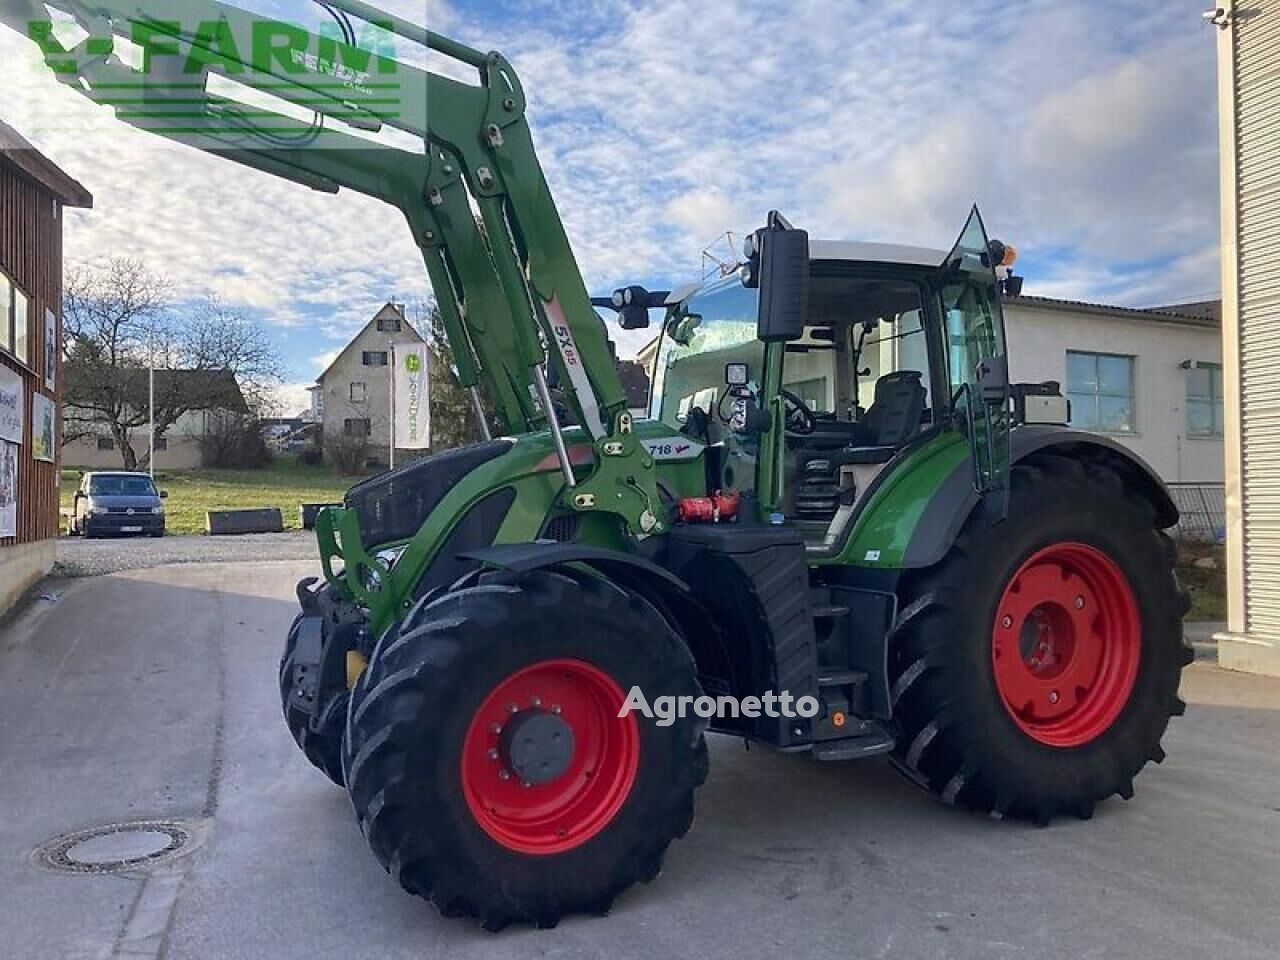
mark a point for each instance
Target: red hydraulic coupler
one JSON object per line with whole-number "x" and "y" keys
{"x": 718, "y": 507}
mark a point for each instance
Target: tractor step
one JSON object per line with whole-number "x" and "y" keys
{"x": 829, "y": 612}
{"x": 841, "y": 678}
{"x": 871, "y": 743}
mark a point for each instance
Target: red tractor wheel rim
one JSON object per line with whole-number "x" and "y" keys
{"x": 543, "y": 707}
{"x": 1066, "y": 643}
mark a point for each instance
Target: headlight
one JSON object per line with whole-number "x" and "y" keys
{"x": 387, "y": 557}
{"x": 157, "y": 509}
{"x": 390, "y": 555}
{"x": 97, "y": 511}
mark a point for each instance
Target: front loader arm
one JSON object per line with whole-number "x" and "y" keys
{"x": 509, "y": 288}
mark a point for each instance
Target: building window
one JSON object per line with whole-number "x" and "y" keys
{"x": 357, "y": 427}
{"x": 1204, "y": 400}
{"x": 1100, "y": 387}
{"x": 374, "y": 358}
{"x": 162, "y": 443}
{"x": 358, "y": 392}
{"x": 388, "y": 324}
{"x": 6, "y": 313}
{"x": 20, "y": 325}
{"x": 106, "y": 443}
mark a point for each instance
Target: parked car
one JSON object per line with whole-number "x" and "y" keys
{"x": 117, "y": 502}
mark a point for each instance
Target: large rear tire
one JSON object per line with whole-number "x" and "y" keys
{"x": 449, "y": 804}
{"x": 1034, "y": 670}
{"x": 322, "y": 748}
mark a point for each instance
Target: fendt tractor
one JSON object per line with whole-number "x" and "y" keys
{"x": 838, "y": 495}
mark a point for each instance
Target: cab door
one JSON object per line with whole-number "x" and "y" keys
{"x": 977, "y": 365}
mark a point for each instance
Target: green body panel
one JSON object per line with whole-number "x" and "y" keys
{"x": 529, "y": 468}
{"x": 886, "y": 523}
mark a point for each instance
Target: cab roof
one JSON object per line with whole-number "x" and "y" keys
{"x": 859, "y": 251}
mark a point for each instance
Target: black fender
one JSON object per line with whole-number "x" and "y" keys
{"x": 956, "y": 500}
{"x": 666, "y": 591}
{"x": 614, "y": 564}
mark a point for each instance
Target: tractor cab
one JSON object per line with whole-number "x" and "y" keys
{"x": 895, "y": 345}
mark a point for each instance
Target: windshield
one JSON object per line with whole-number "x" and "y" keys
{"x": 122, "y": 486}
{"x": 718, "y": 327}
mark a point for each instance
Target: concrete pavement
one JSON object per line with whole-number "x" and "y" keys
{"x": 152, "y": 694}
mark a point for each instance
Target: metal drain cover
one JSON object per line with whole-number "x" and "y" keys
{"x": 118, "y": 847}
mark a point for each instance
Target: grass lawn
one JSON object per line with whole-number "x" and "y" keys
{"x": 192, "y": 493}
{"x": 1206, "y": 584}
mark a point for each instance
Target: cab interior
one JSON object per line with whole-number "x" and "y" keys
{"x": 863, "y": 370}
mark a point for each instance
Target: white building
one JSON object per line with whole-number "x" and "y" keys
{"x": 215, "y": 394}
{"x": 352, "y": 398}
{"x": 1248, "y": 38}
{"x": 1150, "y": 378}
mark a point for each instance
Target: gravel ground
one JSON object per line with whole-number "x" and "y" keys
{"x": 88, "y": 558}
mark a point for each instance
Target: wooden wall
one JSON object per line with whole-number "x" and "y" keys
{"x": 31, "y": 254}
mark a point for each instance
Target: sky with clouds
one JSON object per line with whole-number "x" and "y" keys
{"x": 1086, "y": 131}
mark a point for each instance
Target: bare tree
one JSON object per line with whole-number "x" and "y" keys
{"x": 212, "y": 336}
{"x": 114, "y": 319}
{"x": 119, "y": 319}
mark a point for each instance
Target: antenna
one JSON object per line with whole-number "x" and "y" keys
{"x": 721, "y": 256}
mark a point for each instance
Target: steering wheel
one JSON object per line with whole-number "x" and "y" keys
{"x": 799, "y": 418}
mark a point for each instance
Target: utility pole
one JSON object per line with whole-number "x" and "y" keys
{"x": 391, "y": 392}
{"x": 151, "y": 398}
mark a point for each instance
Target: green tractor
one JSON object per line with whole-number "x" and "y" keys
{"x": 841, "y": 531}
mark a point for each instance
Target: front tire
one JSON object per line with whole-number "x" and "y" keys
{"x": 560, "y": 818}
{"x": 1034, "y": 670}
{"x": 322, "y": 748}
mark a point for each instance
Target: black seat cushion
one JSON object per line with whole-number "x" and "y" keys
{"x": 894, "y": 415}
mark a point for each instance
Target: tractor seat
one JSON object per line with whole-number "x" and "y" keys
{"x": 892, "y": 420}
{"x": 894, "y": 415}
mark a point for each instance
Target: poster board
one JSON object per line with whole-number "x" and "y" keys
{"x": 50, "y": 350}
{"x": 44, "y": 428}
{"x": 8, "y": 489}
{"x": 11, "y": 392}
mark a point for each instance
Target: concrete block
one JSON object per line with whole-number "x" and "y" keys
{"x": 1248, "y": 654}
{"x": 307, "y": 513}
{"x": 262, "y": 520}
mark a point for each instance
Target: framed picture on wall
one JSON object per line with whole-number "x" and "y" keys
{"x": 8, "y": 489}
{"x": 50, "y": 350}
{"x": 44, "y": 428}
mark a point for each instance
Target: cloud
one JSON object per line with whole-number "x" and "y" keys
{"x": 1124, "y": 162}
{"x": 291, "y": 399}
{"x": 321, "y": 362}
{"x": 1088, "y": 139}
{"x": 706, "y": 213}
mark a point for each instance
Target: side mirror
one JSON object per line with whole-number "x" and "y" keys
{"x": 779, "y": 266}
{"x": 164, "y": 494}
